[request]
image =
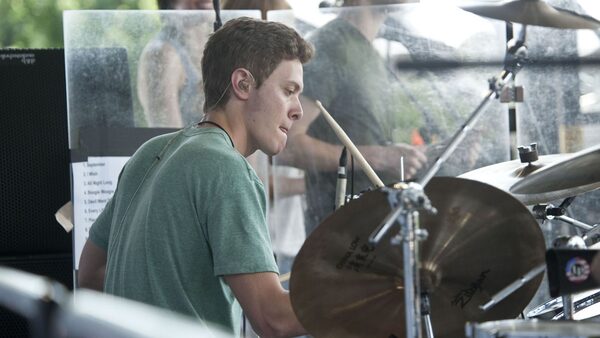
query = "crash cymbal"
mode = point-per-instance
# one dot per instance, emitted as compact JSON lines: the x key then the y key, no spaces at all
{"x":506,"y":174}
{"x":574,"y":174}
{"x":481,"y":240}
{"x":533,"y":12}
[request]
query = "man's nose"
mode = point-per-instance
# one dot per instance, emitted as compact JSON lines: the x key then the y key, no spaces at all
{"x":296,"y":111}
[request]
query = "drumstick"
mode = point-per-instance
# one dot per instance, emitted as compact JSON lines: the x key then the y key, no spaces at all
{"x":285,"y":277}
{"x":341,"y":134}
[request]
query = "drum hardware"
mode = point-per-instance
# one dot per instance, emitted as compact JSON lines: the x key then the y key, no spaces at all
{"x":528,"y":154}
{"x":480,"y":240}
{"x":516,"y":54}
{"x":569,"y":309}
{"x":407,"y":200}
{"x":535,"y":13}
{"x":572,"y":175}
{"x":573,"y":242}
{"x":581,"y":307}
{"x":495,"y":87}
{"x":549,"y":212}
{"x":532,"y":328}
{"x":512,"y":94}
{"x":515,"y":58}
{"x":553,"y":308}
{"x":593,"y":236}
{"x":426,"y":313}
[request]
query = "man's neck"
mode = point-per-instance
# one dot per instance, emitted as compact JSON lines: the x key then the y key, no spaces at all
{"x":366,"y":21}
{"x":233,"y":124}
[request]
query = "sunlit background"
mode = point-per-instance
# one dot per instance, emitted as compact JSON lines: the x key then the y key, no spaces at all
{"x":38,"y":24}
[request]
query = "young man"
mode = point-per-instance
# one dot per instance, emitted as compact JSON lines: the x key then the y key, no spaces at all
{"x":186,"y":228}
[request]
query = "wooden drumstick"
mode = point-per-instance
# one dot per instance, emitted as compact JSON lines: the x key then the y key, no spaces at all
{"x":285,"y":277}
{"x":341,"y":134}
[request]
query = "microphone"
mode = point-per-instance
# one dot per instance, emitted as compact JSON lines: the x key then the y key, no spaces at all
{"x":340,"y":190}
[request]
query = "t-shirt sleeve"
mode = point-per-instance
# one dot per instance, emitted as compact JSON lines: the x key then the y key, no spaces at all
{"x":237,"y":228}
{"x":100,"y":230}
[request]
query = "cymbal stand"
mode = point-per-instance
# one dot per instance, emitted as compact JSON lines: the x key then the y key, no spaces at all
{"x":426,"y":313}
{"x":543,"y":212}
{"x":412,"y":196}
{"x":549,"y":212}
{"x":407,"y":199}
{"x":568,"y":301}
{"x":516,"y":56}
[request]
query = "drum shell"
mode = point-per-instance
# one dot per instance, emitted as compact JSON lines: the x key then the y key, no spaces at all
{"x":532,"y":329}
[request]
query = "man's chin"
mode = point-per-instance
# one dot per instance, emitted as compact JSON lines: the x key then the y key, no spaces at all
{"x":276,"y":150}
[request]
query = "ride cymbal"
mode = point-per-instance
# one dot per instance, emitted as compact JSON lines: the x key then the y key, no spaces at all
{"x":533,"y":12}
{"x":505,"y":175}
{"x":574,"y":174}
{"x":481,"y":240}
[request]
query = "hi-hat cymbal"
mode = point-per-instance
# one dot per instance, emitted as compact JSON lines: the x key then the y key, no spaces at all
{"x":575,"y":173}
{"x":533,"y":12}
{"x":507,"y":174}
{"x":481,"y":240}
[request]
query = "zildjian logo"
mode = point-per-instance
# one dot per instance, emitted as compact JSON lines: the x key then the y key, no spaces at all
{"x":464,"y":296}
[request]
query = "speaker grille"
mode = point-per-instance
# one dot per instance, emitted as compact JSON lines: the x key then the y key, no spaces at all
{"x":35,"y":156}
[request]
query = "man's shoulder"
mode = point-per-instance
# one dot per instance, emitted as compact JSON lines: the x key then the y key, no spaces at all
{"x":213,"y":151}
{"x":335,"y":32}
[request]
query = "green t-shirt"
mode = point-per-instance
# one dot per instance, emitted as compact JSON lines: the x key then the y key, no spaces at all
{"x":188,"y":209}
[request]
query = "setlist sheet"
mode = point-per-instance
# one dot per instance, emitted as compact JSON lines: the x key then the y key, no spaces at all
{"x":94,"y":183}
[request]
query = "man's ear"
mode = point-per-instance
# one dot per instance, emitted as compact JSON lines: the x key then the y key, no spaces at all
{"x":241,"y":83}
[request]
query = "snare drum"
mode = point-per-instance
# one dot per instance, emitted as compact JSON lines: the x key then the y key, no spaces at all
{"x":532,"y":329}
{"x":587,"y":307}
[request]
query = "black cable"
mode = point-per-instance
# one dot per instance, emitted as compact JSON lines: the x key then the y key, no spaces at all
{"x":351,"y":177}
{"x":218,"y":23}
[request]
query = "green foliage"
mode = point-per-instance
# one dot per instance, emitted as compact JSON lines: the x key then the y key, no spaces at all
{"x":38,"y":23}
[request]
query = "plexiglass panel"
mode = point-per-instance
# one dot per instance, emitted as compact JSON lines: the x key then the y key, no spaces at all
{"x":136,"y":68}
{"x":398,"y":79}
{"x":131,"y":75}
{"x":411,"y":75}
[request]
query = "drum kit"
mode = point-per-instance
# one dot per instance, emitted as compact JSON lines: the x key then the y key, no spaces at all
{"x":452,"y":256}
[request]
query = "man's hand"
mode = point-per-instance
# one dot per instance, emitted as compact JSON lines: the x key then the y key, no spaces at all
{"x":387,"y":158}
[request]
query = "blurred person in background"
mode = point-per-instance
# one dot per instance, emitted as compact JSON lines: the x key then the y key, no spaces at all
{"x":353,"y":83}
{"x":169,"y":77}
